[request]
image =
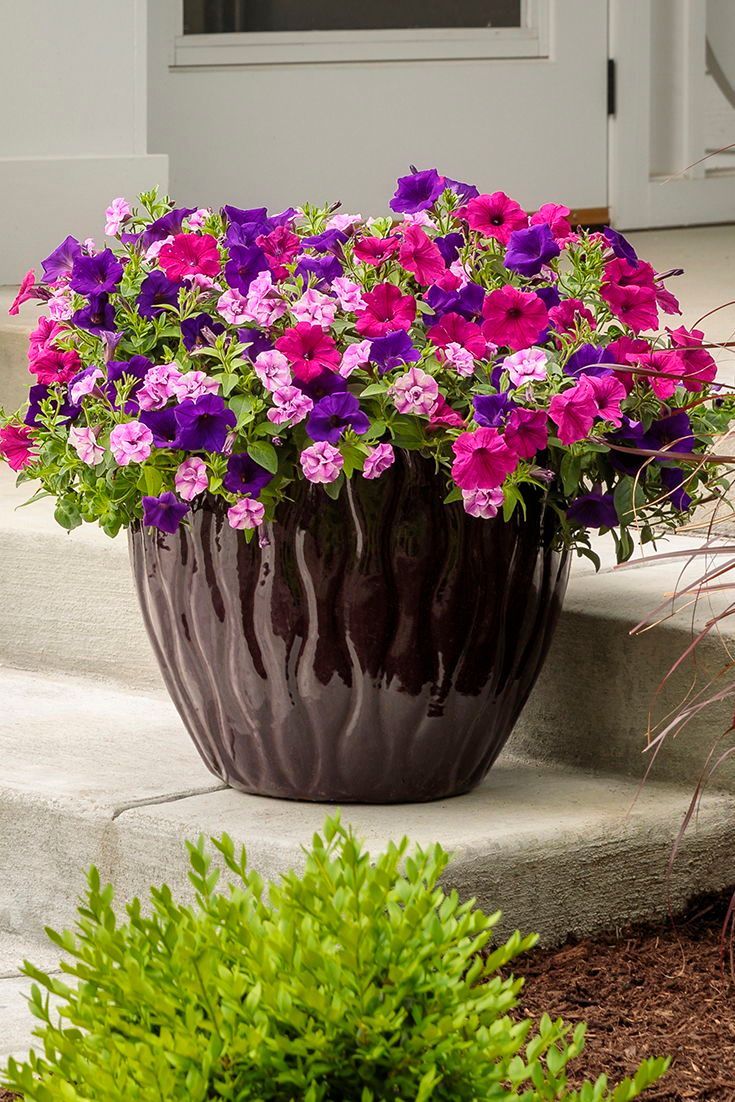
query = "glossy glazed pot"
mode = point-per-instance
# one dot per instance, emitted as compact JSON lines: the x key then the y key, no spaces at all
{"x":378,"y":649}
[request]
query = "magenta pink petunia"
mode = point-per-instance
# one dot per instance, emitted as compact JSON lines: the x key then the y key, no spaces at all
{"x":309,"y":350}
{"x":190,"y":254}
{"x":386,"y":310}
{"x":16,"y":446}
{"x":573,"y":412}
{"x":514,"y":318}
{"x":420,"y":256}
{"x":495,"y":215}
{"x":483,"y":460}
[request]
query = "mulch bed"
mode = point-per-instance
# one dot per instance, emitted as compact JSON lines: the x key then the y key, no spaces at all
{"x":649,"y":991}
{"x":661,"y":991}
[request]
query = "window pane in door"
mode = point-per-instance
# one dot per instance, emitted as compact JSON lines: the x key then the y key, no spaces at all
{"x":225,"y":16}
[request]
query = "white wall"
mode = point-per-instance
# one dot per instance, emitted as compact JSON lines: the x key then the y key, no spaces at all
{"x":73,"y":121}
{"x":275,"y":134}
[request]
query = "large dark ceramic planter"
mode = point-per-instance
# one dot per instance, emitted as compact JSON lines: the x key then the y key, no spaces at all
{"x":378,"y":649}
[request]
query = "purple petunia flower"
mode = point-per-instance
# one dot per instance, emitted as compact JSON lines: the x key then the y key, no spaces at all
{"x":620,"y":246}
{"x":329,"y":241}
{"x":165,"y":512}
{"x":155,"y":292}
{"x":467,"y":302}
{"x":449,"y":246}
{"x":589,"y":360}
{"x":39,"y":393}
{"x":419,"y":191}
{"x":244,"y":475}
{"x":672,"y":479}
{"x":549,"y":296}
{"x":491,"y":410}
{"x":255,"y":216}
{"x":97,"y":316}
{"x":195,"y":331}
{"x":465,"y":192}
{"x":245,"y":264}
{"x":163,"y":425}
{"x":137,"y":367}
{"x":335,"y":413}
{"x":528,"y":250}
{"x":673,"y":432}
{"x":96,"y":275}
{"x":593,"y":510}
{"x":60,"y":262}
{"x":255,"y":342}
{"x":203,"y":423}
{"x":392,"y":350}
{"x":326,"y":382}
{"x":325,"y":268}
{"x":168,"y":225}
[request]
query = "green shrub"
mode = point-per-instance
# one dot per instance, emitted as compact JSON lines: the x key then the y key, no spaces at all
{"x":358,"y":980}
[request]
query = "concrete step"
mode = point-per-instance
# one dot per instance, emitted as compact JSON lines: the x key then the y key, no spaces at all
{"x":16,"y":1020}
{"x":90,"y":774}
{"x":69,"y":606}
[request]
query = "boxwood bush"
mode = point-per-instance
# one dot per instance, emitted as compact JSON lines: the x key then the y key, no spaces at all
{"x":359,"y":979}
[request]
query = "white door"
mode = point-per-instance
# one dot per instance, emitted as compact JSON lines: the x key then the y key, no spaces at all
{"x":275,"y":102}
{"x":675,"y":109}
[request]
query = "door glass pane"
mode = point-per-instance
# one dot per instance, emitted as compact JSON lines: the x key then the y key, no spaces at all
{"x":223,"y":16}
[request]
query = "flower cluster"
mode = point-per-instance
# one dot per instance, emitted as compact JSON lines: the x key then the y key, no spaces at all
{"x":231,"y":352}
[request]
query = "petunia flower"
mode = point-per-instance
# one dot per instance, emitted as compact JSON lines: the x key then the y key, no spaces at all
{"x":84,"y":441}
{"x":530,"y":249}
{"x":482,"y":503}
{"x":419,"y":191}
{"x":335,"y":413}
{"x":246,"y":513}
{"x":26,"y":291}
{"x":419,"y":255}
{"x":156,"y":291}
{"x":513,"y":317}
{"x":573,"y":411}
{"x":526,"y":366}
{"x":16,"y":446}
{"x":131,"y":443}
{"x":272,"y":369}
{"x":415,"y":392}
{"x":495,"y":215}
{"x":527,"y":432}
{"x":309,"y":350}
{"x":483,"y":460}
{"x":392,"y":350}
{"x":58,"y":264}
{"x":191,"y":478}
{"x":96,"y":275}
{"x":593,"y":510}
{"x":203,"y":423}
{"x":635,"y":306}
{"x":386,"y":309}
{"x":190,"y":254}
{"x":375,"y":250}
{"x":556,"y":217}
{"x":291,"y":406}
{"x":378,"y":460}
{"x":164,"y":512}
{"x":116,"y":215}
{"x":321,"y":462}
{"x":244,"y":475}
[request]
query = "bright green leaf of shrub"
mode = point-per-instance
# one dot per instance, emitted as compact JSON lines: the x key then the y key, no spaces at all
{"x":357,"y":980}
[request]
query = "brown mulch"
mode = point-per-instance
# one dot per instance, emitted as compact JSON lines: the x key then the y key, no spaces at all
{"x":649,"y":991}
{"x":661,"y":991}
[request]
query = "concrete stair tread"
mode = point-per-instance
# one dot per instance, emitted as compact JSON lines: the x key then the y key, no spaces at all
{"x":90,"y":774}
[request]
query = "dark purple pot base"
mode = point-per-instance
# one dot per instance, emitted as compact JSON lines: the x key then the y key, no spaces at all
{"x":379,"y":649}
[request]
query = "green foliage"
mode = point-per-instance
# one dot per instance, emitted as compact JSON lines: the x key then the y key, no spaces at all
{"x":356,"y":981}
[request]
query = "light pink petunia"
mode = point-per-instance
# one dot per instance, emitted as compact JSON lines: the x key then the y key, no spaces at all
{"x":321,"y":462}
{"x":84,"y":441}
{"x":131,"y":443}
{"x":415,"y":392}
{"x":246,"y":513}
{"x":379,"y":459}
{"x":482,"y":503}
{"x":191,"y":478}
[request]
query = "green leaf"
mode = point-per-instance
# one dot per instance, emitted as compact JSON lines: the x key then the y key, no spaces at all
{"x":334,"y":489}
{"x":264,"y":454}
{"x":373,"y":389}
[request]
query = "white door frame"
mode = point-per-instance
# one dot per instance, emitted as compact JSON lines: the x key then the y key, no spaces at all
{"x":688,"y":193}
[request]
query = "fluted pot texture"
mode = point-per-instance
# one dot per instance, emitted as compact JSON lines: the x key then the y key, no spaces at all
{"x":373,"y":649}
